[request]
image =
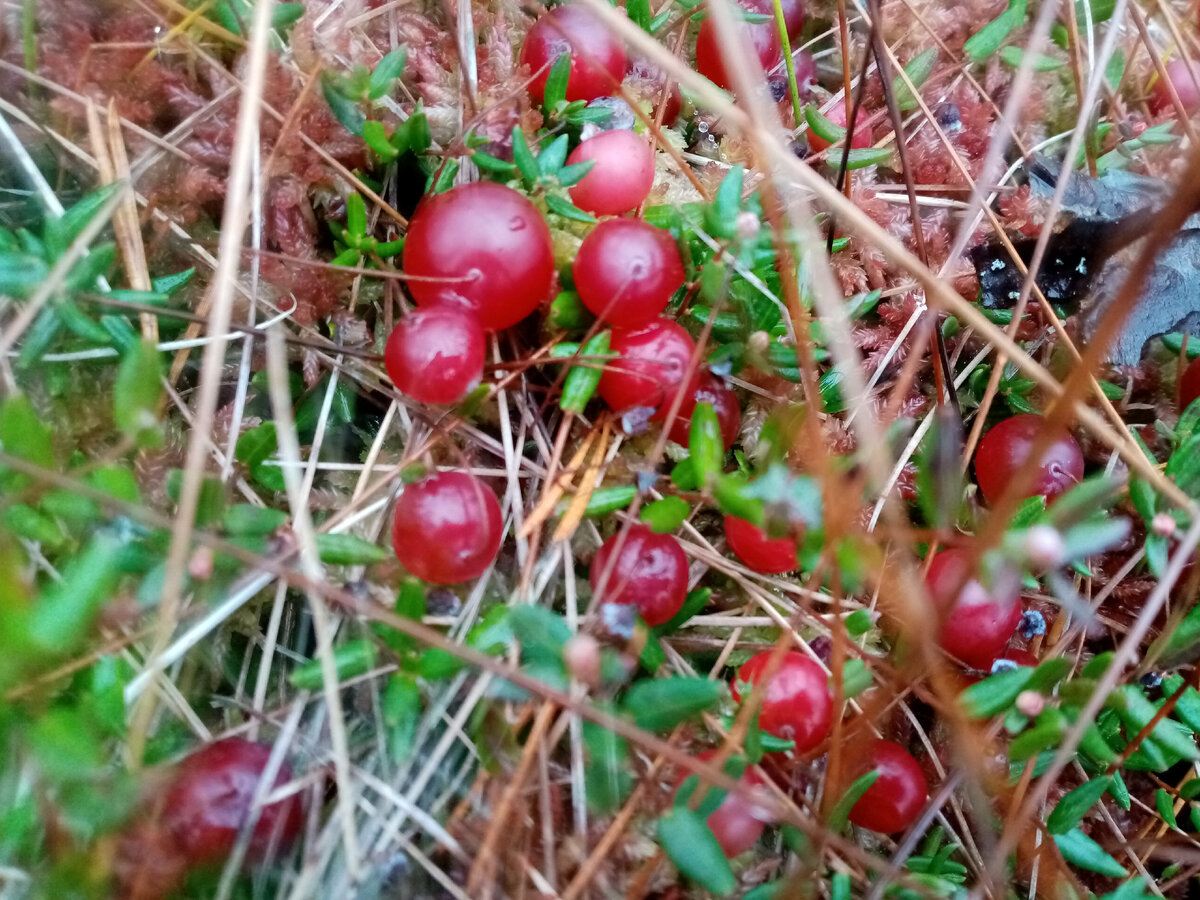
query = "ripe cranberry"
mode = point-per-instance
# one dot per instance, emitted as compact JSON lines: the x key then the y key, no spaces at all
{"x":976,"y":624}
{"x":764,"y":41}
{"x":210,"y":797}
{"x":490,"y":246}
{"x":765,"y":555}
{"x":895,"y":800}
{"x":796,"y":705}
{"x":737,"y":823}
{"x":1189,"y":384}
{"x":436,"y":354}
{"x":711,"y":390}
{"x":651,"y":571}
{"x":621,"y":176}
{"x":626,"y":271}
{"x":1183,"y":78}
{"x":1005,"y":450}
{"x":862,"y":137}
{"x":653,"y":367}
{"x":447,"y":527}
{"x":646,"y":81}
{"x":597,"y":59}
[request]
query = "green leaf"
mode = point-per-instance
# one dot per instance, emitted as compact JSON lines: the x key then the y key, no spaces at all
{"x":555,"y":91}
{"x":551,"y":160}
{"x":856,"y":678}
{"x":350,"y":660}
{"x":1080,"y":850}
{"x":569,"y":176}
{"x":841,"y":812}
{"x":63,"y":615}
{"x":285,"y":14}
{"x":348,"y":550}
{"x":567,"y":209}
{"x":61,"y":232}
{"x":1089,"y":538}
{"x":1165,"y":807}
{"x":665,"y":515}
{"x":21,"y":273}
{"x":377,"y":139}
{"x":607,"y":774}
{"x":64,"y":744}
{"x":695,"y":602}
{"x":987,"y":40}
{"x":26,"y":522}
{"x":608,"y":500}
{"x":356,"y":216}
{"x":858,"y":623}
{"x":1178,"y":643}
{"x":639,"y":13}
{"x":918,"y":70}
{"x":246,"y":519}
{"x":412,"y":135}
{"x":541,"y":632}
{"x":401,"y":708}
{"x":489,"y":163}
{"x":1072,"y":807}
{"x":1013,"y":56}
{"x":344,"y":110}
{"x":582,"y":380}
{"x":661,"y":704}
{"x":137,"y":393}
{"x":389,"y":69}
{"x":865,"y":157}
{"x":24,"y":434}
{"x":690,"y":844}
{"x":1136,"y":711}
{"x":721,"y":217}
{"x":823,"y":127}
{"x":705,"y":442}
{"x":169,"y":284}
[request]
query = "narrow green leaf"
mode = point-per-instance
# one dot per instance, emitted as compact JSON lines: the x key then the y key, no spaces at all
{"x":569,"y":176}
{"x":23,"y":433}
{"x":865,"y":157}
{"x":344,"y":110}
{"x":661,"y":704}
{"x":1013,"y":56}
{"x":705,"y":443}
{"x":918,"y":70}
{"x":1072,"y":807}
{"x":348,"y":550}
{"x":858,"y":623}
{"x":64,"y":614}
{"x":665,"y":515}
{"x":356,"y":215}
{"x":137,"y":393}
{"x":401,"y":708}
{"x":721,"y":217}
{"x":567,"y":209}
{"x":582,"y":380}
{"x":690,"y":844}
{"x":247,"y":519}
{"x":823,"y":127}
{"x":490,"y":163}
{"x":856,"y":678}
{"x":350,"y":660}
{"x":987,"y":40}
{"x":541,"y":632}
{"x":695,"y":602}
{"x":555,"y":91}
{"x":639,"y":13}
{"x":376,"y":138}
{"x":552,"y":158}
{"x":1080,"y":850}
{"x":1166,"y":807}
{"x":841,"y":812}
{"x":389,"y":69}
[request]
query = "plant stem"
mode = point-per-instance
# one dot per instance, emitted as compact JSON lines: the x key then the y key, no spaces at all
{"x":789,"y":63}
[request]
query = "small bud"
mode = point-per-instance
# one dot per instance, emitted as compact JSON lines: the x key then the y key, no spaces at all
{"x":581,"y":656}
{"x":1163,"y":525}
{"x":200,"y":566}
{"x":1044,"y":546}
{"x":1030,"y":703}
{"x":759,"y":342}
{"x":747,"y":226}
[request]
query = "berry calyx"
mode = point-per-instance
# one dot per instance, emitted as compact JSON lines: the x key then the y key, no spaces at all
{"x":976,"y":623}
{"x":898,"y":794}
{"x":621,"y":176}
{"x":447,"y":527}
{"x":764,"y":42}
{"x":597,"y":59}
{"x":762,"y":554}
{"x":436,"y":355}
{"x":796,"y":703}
{"x":626,"y":271}
{"x":653,"y":366}
{"x":724,"y":401}
{"x":482,"y":246}
{"x":838,"y":114}
{"x":1189,"y":385}
{"x":1006,"y":449}
{"x":650,"y":570}
{"x":210,"y":797}
{"x":737,"y":823}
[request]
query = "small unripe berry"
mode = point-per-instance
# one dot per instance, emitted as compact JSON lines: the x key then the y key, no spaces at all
{"x":581,"y":656}
{"x":1163,"y":525}
{"x":1030,"y":703}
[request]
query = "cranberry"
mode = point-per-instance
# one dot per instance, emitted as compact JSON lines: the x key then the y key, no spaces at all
{"x":447,"y":527}
{"x":977,"y":623}
{"x":793,"y":14}
{"x":713,"y":391}
{"x":1004,"y":451}
{"x":764,"y":41}
{"x":737,"y":823}
{"x":597,"y":59}
{"x":490,"y":247}
{"x":653,"y":367}
{"x":647,"y":81}
{"x":621,"y":176}
{"x":650,"y":571}
{"x":862,"y":138}
{"x":435,"y":355}
{"x":894,"y":801}
{"x":626,"y":271}
{"x":1189,"y":384}
{"x":797,"y":704}
{"x":1183,"y":78}
{"x":209,"y":799}
{"x":765,"y":555}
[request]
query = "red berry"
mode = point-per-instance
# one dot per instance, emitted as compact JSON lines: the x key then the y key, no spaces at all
{"x":210,"y":798}
{"x":1005,"y":451}
{"x":896,"y":798}
{"x":488,"y":244}
{"x":793,"y":13}
{"x":1189,"y":384}
{"x":653,"y":367}
{"x":724,"y":402}
{"x":1020,"y":657}
{"x":597,"y":59}
{"x":647,"y":81}
{"x":977,"y":623}
{"x":1183,"y":78}
{"x":862,"y":138}
{"x":737,"y":823}
{"x":651,"y":571}
{"x":765,"y":555}
{"x":621,"y":176}
{"x":626,"y":271}
{"x":797,"y":704}
{"x":764,"y":41}
{"x":436,"y":354}
{"x":447,"y":527}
